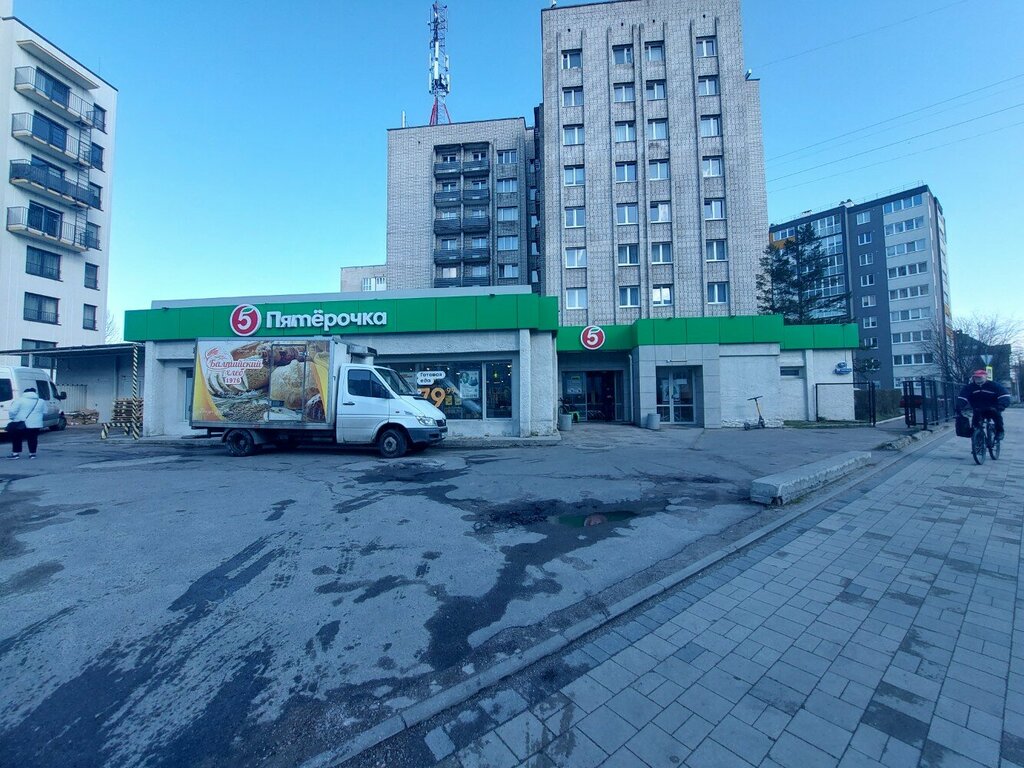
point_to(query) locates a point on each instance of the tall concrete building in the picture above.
(889, 254)
(60, 155)
(654, 191)
(461, 204)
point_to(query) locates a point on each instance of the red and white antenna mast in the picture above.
(439, 81)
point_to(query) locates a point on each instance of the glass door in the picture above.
(675, 395)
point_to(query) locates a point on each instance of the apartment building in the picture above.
(654, 193)
(889, 254)
(462, 205)
(60, 156)
(366, 278)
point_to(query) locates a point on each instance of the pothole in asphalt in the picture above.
(596, 518)
(586, 513)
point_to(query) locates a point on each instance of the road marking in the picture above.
(130, 462)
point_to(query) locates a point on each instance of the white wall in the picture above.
(105, 377)
(750, 370)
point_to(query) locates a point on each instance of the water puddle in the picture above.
(595, 518)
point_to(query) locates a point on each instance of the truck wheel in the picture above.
(392, 443)
(240, 442)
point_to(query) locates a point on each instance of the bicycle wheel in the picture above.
(993, 444)
(978, 445)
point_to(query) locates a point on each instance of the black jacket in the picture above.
(980, 397)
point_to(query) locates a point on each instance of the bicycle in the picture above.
(984, 439)
(760, 419)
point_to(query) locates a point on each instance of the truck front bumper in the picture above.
(427, 435)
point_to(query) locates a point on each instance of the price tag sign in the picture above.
(592, 337)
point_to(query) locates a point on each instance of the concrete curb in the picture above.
(423, 710)
(783, 487)
(456, 443)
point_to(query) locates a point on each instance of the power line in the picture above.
(859, 34)
(894, 143)
(897, 117)
(909, 154)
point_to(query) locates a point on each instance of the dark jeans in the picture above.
(29, 435)
(997, 417)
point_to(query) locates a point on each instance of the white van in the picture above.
(14, 381)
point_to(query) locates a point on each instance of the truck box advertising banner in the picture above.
(248, 381)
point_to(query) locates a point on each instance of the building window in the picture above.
(508, 243)
(449, 273)
(901, 249)
(661, 296)
(718, 293)
(89, 317)
(867, 280)
(509, 213)
(42, 263)
(912, 292)
(908, 269)
(43, 219)
(448, 186)
(868, 301)
(476, 213)
(40, 309)
(661, 253)
(447, 215)
(903, 315)
(655, 90)
(864, 217)
(629, 296)
(783, 234)
(53, 133)
(448, 157)
(864, 238)
(92, 235)
(478, 154)
(575, 217)
(706, 47)
(832, 245)
(508, 185)
(902, 205)
(911, 337)
(574, 176)
(96, 157)
(707, 86)
(449, 244)
(657, 170)
(625, 172)
(712, 166)
(96, 195)
(661, 210)
(572, 59)
(622, 54)
(576, 298)
(655, 51)
(53, 88)
(478, 270)
(869, 322)
(99, 117)
(572, 97)
(714, 208)
(628, 255)
(532, 194)
(507, 156)
(922, 358)
(572, 135)
(626, 213)
(575, 258)
(92, 276)
(710, 126)
(38, 362)
(625, 131)
(374, 284)
(657, 129)
(907, 225)
(623, 92)
(716, 250)
(508, 271)
(791, 370)
(869, 342)
(479, 242)
(866, 259)
(478, 184)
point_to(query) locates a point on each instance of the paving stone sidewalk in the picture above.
(879, 629)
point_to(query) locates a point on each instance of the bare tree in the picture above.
(111, 330)
(959, 352)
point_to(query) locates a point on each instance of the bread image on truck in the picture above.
(284, 391)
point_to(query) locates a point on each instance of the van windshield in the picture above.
(397, 383)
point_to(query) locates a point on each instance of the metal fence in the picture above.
(927, 402)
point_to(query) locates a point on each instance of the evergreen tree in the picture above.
(794, 283)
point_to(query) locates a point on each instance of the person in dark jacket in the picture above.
(30, 409)
(984, 398)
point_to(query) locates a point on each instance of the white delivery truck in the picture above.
(14, 380)
(285, 391)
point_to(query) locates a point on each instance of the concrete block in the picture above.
(784, 487)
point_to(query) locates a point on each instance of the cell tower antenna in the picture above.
(439, 80)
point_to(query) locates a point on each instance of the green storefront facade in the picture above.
(507, 367)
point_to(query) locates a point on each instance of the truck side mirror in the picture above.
(62, 396)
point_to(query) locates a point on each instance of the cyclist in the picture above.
(985, 398)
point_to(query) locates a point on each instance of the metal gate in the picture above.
(77, 397)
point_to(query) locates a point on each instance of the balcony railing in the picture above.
(447, 282)
(44, 135)
(447, 169)
(448, 197)
(447, 256)
(49, 229)
(476, 254)
(40, 316)
(476, 280)
(446, 226)
(476, 223)
(476, 167)
(476, 195)
(32, 83)
(24, 172)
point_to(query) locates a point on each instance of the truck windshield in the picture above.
(396, 382)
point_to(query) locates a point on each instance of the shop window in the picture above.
(498, 377)
(463, 389)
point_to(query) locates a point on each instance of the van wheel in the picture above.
(240, 442)
(62, 424)
(392, 443)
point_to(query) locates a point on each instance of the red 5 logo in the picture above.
(245, 320)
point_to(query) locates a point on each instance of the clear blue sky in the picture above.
(251, 154)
